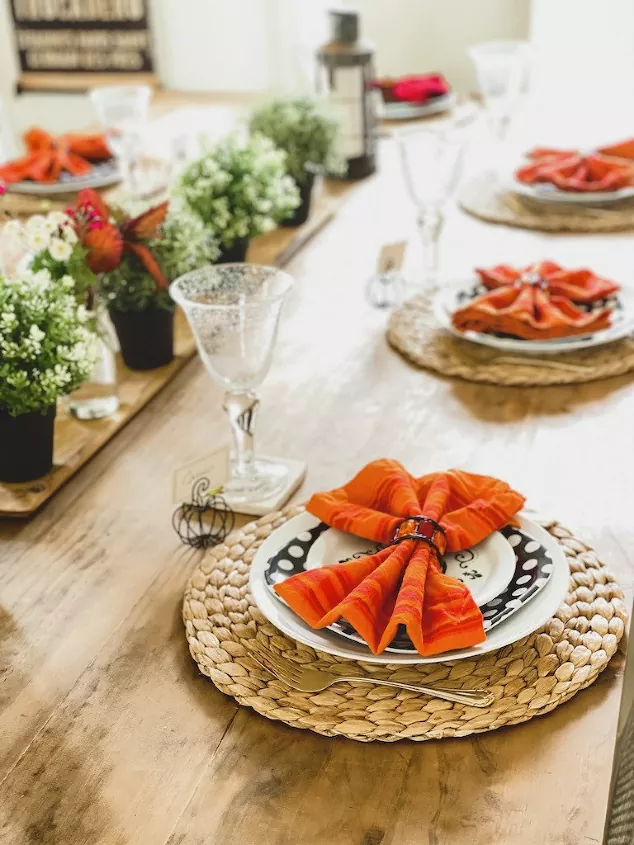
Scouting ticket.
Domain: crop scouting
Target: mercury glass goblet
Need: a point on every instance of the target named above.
(234, 312)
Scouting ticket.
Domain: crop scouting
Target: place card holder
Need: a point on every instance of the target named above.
(207, 520)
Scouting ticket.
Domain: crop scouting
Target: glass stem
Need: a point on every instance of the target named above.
(430, 225)
(242, 410)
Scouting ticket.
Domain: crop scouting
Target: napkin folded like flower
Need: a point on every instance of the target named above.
(403, 584)
(571, 170)
(537, 303)
(413, 89)
(47, 157)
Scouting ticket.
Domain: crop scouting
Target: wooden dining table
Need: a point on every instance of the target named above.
(109, 734)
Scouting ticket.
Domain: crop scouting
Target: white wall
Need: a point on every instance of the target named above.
(417, 36)
(250, 45)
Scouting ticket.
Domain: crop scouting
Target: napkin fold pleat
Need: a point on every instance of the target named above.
(402, 584)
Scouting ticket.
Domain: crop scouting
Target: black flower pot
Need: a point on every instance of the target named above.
(146, 337)
(300, 215)
(234, 254)
(26, 445)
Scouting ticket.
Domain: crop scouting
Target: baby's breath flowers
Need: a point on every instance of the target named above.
(46, 347)
(239, 188)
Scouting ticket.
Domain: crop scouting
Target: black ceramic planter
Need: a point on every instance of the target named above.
(300, 215)
(26, 445)
(146, 337)
(234, 254)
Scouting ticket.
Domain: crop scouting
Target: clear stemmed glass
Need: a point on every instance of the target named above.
(234, 312)
(500, 68)
(123, 113)
(432, 164)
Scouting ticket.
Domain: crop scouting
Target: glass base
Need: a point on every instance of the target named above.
(265, 478)
(93, 408)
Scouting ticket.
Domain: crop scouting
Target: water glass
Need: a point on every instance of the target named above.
(500, 68)
(234, 312)
(123, 113)
(432, 165)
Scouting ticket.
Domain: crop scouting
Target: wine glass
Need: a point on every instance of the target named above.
(234, 312)
(500, 68)
(123, 113)
(432, 164)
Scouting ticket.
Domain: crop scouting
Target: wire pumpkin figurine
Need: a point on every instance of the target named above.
(205, 521)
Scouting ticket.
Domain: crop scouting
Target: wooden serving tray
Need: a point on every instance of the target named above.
(77, 441)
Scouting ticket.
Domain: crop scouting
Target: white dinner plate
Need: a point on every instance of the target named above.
(549, 594)
(407, 111)
(454, 295)
(102, 175)
(547, 193)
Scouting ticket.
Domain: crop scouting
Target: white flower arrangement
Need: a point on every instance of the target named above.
(46, 347)
(50, 242)
(239, 188)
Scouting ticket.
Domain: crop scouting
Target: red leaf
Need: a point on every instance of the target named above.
(146, 225)
(149, 262)
(104, 246)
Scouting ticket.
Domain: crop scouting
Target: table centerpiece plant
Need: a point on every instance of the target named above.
(239, 188)
(136, 258)
(308, 132)
(46, 351)
(51, 242)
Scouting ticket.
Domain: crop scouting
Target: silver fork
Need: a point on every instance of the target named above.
(316, 680)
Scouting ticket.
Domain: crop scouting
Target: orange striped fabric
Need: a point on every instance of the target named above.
(402, 584)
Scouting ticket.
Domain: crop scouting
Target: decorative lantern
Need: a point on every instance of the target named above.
(347, 68)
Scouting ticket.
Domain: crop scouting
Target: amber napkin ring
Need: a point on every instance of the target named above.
(413, 527)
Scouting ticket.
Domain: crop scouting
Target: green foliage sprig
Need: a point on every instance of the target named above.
(306, 130)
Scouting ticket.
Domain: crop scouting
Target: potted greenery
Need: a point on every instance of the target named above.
(136, 258)
(308, 133)
(46, 351)
(50, 242)
(239, 188)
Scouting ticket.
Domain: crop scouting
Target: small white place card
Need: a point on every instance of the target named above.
(391, 257)
(214, 467)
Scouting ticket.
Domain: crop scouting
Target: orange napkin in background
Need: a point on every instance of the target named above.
(403, 584)
(537, 303)
(47, 157)
(571, 170)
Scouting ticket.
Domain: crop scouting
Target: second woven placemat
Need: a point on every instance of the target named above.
(485, 198)
(528, 678)
(414, 332)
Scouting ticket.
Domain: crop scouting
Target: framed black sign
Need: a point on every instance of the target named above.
(73, 44)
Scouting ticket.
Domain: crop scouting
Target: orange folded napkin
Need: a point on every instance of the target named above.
(539, 302)
(571, 170)
(47, 157)
(403, 584)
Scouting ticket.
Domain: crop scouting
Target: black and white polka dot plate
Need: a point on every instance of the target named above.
(531, 569)
(528, 596)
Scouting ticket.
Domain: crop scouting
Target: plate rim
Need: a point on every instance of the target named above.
(554, 195)
(436, 106)
(551, 596)
(27, 187)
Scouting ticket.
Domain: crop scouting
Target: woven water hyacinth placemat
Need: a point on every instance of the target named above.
(529, 678)
(487, 199)
(414, 331)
